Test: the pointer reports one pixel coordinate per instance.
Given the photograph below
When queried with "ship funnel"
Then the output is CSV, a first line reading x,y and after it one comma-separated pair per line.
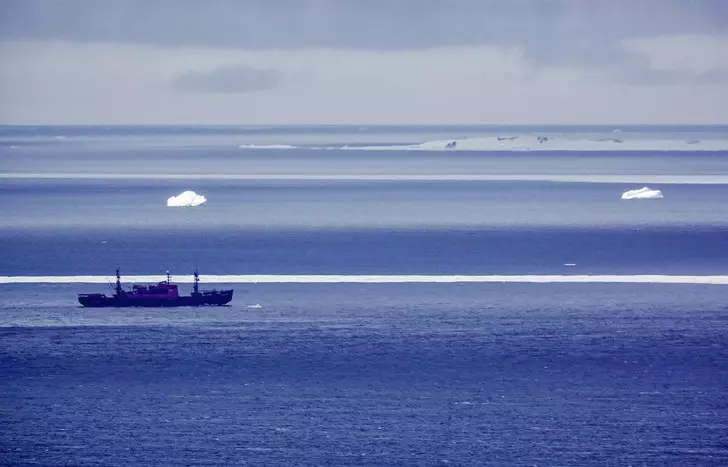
x,y
118,281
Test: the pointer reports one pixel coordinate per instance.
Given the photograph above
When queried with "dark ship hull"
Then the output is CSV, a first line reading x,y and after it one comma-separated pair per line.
x,y
163,294
222,297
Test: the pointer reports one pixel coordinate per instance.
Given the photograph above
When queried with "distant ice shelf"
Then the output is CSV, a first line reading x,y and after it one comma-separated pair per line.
x,y
552,143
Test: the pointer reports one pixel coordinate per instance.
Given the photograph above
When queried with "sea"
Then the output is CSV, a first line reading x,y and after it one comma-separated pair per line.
x,y
404,296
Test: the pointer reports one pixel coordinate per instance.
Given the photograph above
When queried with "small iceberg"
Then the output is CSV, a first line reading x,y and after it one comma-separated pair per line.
x,y
642,193
187,198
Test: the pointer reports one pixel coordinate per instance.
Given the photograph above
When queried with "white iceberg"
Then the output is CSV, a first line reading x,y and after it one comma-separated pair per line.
x,y
642,193
187,198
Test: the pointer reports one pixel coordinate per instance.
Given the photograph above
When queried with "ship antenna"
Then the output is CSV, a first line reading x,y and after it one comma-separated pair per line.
x,y
118,282
168,277
196,287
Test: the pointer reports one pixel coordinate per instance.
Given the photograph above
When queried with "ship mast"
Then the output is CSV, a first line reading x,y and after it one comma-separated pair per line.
x,y
196,287
169,277
118,282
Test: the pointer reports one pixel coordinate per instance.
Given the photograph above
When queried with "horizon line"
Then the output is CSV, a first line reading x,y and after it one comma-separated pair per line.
x,y
364,124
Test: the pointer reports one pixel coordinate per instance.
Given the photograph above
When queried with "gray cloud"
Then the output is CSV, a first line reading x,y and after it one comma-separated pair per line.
x,y
648,77
231,79
386,61
551,30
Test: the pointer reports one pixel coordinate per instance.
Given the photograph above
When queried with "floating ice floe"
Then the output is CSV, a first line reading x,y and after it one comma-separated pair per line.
x,y
642,193
187,198
384,279
266,146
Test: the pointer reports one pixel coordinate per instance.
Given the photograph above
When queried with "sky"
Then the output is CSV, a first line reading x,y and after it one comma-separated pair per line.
x,y
363,62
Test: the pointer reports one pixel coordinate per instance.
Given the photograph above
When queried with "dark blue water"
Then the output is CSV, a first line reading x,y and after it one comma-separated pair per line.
x,y
359,374
382,374
692,251
68,227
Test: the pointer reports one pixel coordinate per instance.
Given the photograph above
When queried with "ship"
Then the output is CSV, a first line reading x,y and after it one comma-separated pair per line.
x,y
163,294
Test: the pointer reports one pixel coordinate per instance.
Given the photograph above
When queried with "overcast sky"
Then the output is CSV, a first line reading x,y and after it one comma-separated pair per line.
x,y
363,62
